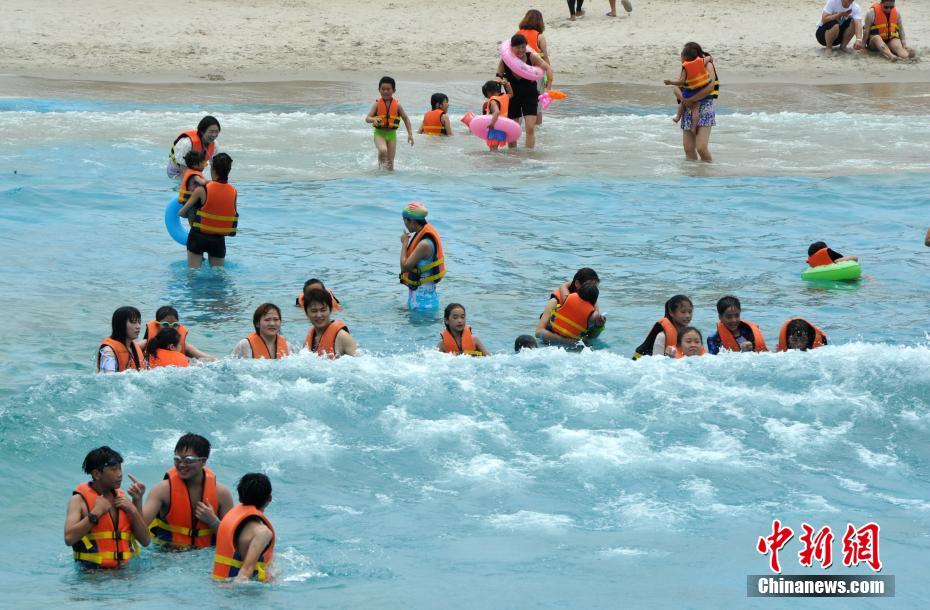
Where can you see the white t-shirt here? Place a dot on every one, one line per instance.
(181, 149)
(836, 6)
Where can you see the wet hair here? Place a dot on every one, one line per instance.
(388, 80)
(533, 20)
(692, 51)
(206, 123)
(814, 247)
(313, 281)
(437, 99)
(118, 324)
(798, 326)
(222, 163)
(260, 312)
(589, 292)
(197, 443)
(254, 489)
(583, 276)
(491, 87)
(100, 458)
(318, 296)
(448, 311)
(726, 303)
(517, 39)
(525, 342)
(675, 302)
(166, 336)
(685, 331)
(164, 311)
(194, 158)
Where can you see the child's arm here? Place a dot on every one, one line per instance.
(507, 88)
(441, 346)
(199, 196)
(420, 130)
(495, 110)
(447, 124)
(406, 120)
(846, 258)
(682, 79)
(371, 118)
(480, 346)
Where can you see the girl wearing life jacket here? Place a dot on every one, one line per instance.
(192, 176)
(558, 296)
(164, 349)
(497, 104)
(697, 67)
(532, 27)
(573, 320)
(327, 337)
(267, 340)
(436, 121)
(818, 255)
(385, 116)
(799, 334)
(314, 283)
(422, 259)
(693, 78)
(664, 334)
(201, 139)
(690, 342)
(245, 539)
(215, 216)
(457, 338)
(119, 352)
(167, 316)
(524, 105)
(733, 333)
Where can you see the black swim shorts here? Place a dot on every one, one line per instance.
(214, 245)
(822, 32)
(521, 107)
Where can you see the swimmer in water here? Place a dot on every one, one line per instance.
(245, 538)
(689, 342)
(819, 255)
(733, 333)
(664, 334)
(436, 121)
(167, 316)
(458, 338)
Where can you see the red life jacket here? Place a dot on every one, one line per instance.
(123, 359)
(327, 344)
(260, 349)
(413, 279)
(696, 75)
(820, 258)
(468, 347)
(227, 561)
(107, 545)
(570, 319)
(729, 341)
(884, 25)
(179, 526)
(167, 357)
(152, 328)
(390, 119)
(432, 123)
(820, 339)
(218, 215)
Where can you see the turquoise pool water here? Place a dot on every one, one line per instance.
(405, 478)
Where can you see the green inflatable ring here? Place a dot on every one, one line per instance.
(844, 271)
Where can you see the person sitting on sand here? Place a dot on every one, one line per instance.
(885, 32)
(627, 6)
(819, 255)
(839, 21)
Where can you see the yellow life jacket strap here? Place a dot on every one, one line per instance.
(216, 230)
(405, 278)
(177, 529)
(210, 216)
(576, 334)
(472, 352)
(260, 567)
(99, 557)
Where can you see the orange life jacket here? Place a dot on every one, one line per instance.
(183, 193)
(570, 319)
(503, 101)
(432, 123)
(413, 279)
(218, 215)
(260, 349)
(696, 75)
(152, 328)
(884, 25)
(662, 326)
(680, 354)
(196, 145)
(123, 359)
(107, 545)
(167, 357)
(729, 341)
(336, 305)
(820, 258)
(327, 344)
(532, 38)
(179, 526)
(227, 561)
(557, 295)
(390, 119)
(450, 346)
(820, 339)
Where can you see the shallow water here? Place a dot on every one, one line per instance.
(408, 479)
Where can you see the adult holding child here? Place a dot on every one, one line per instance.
(696, 140)
(840, 20)
(885, 32)
(525, 101)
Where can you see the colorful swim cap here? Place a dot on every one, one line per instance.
(415, 211)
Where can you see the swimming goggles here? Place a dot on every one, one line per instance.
(188, 460)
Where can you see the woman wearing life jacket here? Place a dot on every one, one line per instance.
(436, 121)
(733, 333)
(215, 216)
(573, 320)
(201, 139)
(885, 32)
(314, 283)
(799, 334)
(819, 255)
(664, 334)
(558, 296)
(524, 105)
(119, 352)
(422, 259)
(696, 136)
(267, 340)
(689, 342)
(103, 525)
(167, 316)
(457, 338)
(164, 349)
(245, 539)
(327, 337)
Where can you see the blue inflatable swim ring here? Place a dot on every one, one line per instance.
(173, 221)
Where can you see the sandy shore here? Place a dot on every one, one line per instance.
(753, 41)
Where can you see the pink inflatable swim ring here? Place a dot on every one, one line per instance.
(479, 127)
(517, 65)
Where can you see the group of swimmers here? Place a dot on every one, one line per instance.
(188, 509)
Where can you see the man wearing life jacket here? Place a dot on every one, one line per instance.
(799, 334)
(839, 21)
(267, 340)
(572, 321)
(184, 509)
(103, 525)
(318, 284)
(885, 31)
(819, 255)
(167, 316)
(436, 121)
(119, 352)
(733, 333)
(215, 216)
(245, 539)
(385, 116)
(201, 139)
(327, 337)
(422, 259)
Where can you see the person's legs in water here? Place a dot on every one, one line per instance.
(530, 131)
(391, 151)
(194, 261)
(382, 146)
(702, 143)
(688, 142)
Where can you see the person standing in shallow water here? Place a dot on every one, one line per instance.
(422, 259)
(696, 142)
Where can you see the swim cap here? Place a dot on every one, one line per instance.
(415, 211)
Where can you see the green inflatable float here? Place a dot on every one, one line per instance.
(846, 271)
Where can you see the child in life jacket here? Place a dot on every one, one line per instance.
(192, 176)
(694, 77)
(436, 121)
(734, 333)
(690, 342)
(457, 338)
(818, 255)
(663, 337)
(167, 316)
(164, 349)
(385, 116)
(575, 320)
(497, 104)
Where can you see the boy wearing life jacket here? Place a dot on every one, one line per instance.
(694, 77)
(436, 121)
(215, 216)
(103, 524)
(327, 337)
(167, 316)
(385, 116)
(315, 284)
(497, 105)
(457, 338)
(733, 333)
(184, 509)
(245, 539)
(574, 320)
(819, 255)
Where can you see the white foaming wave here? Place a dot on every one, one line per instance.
(640, 510)
(530, 521)
(797, 437)
(299, 439)
(873, 459)
(622, 551)
(608, 447)
(488, 469)
(290, 565)
(720, 447)
(455, 428)
(336, 508)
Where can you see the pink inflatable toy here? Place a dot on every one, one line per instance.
(517, 65)
(479, 127)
